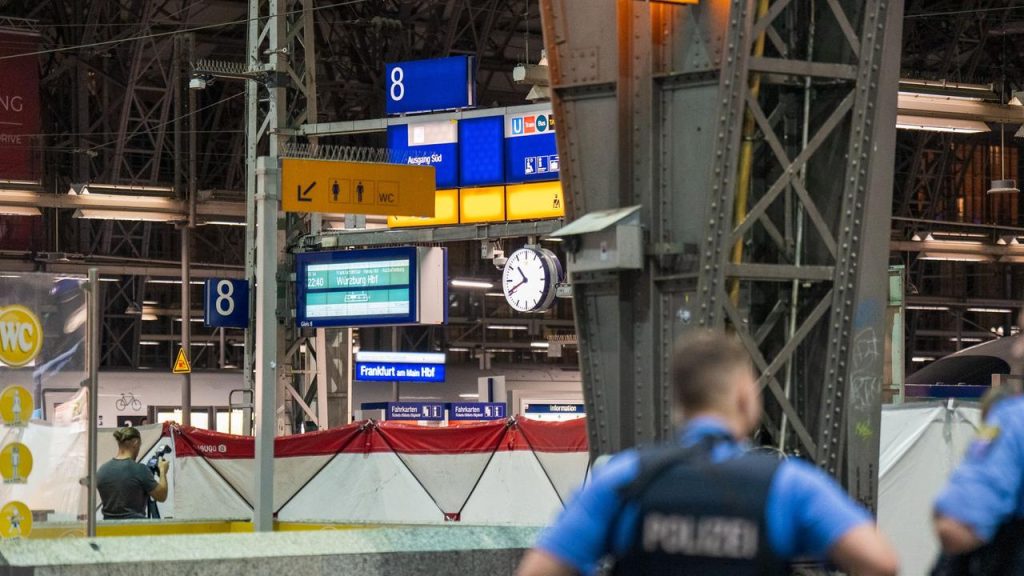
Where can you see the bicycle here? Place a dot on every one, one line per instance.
(127, 399)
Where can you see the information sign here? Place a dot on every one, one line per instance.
(399, 367)
(415, 411)
(426, 85)
(530, 150)
(433, 144)
(356, 188)
(555, 409)
(227, 303)
(477, 411)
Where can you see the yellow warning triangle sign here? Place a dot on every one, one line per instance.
(181, 365)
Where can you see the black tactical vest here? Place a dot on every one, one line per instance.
(700, 517)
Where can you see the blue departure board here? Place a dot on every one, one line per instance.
(356, 287)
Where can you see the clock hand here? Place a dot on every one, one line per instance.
(516, 287)
(520, 270)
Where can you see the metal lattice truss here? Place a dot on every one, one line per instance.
(763, 117)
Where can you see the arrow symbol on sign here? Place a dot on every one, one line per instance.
(303, 195)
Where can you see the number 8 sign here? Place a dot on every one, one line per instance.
(227, 303)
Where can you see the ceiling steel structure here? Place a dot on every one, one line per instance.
(748, 132)
(113, 89)
(941, 177)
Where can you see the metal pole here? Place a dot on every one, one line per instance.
(93, 361)
(267, 205)
(186, 325)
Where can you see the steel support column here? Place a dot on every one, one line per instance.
(651, 101)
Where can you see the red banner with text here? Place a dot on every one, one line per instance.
(20, 143)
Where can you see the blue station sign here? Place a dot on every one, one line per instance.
(400, 367)
(415, 411)
(428, 85)
(477, 411)
(555, 409)
(226, 303)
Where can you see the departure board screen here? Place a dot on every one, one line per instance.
(356, 287)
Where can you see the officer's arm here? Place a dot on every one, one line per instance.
(982, 492)
(863, 551)
(956, 537)
(540, 563)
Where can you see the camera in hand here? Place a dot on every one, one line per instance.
(153, 462)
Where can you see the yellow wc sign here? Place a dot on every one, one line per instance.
(21, 335)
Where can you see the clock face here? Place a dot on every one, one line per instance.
(528, 280)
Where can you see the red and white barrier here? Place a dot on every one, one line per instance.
(515, 472)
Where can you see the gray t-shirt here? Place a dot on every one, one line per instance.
(124, 487)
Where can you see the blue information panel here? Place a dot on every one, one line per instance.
(481, 151)
(555, 409)
(227, 303)
(390, 372)
(415, 411)
(428, 144)
(426, 85)
(400, 366)
(530, 151)
(356, 287)
(477, 411)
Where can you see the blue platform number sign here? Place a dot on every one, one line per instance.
(227, 303)
(428, 85)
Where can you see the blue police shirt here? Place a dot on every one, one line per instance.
(985, 490)
(807, 512)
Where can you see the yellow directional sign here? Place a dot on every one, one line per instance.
(181, 365)
(15, 520)
(15, 406)
(356, 188)
(15, 463)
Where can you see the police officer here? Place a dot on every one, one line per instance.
(979, 515)
(705, 505)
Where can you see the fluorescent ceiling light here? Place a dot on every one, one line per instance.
(19, 183)
(107, 188)
(551, 240)
(543, 345)
(223, 223)
(19, 211)
(925, 307)
(469, 395)
(955, 257)
(148, 343)
(942, 235)
(946, 89)
(922, 359)
(507, 327)
(163, 281)
(991, 310)
(128, 215)
(966, 339)
(458, 349)
(148, 317)
(505, 350)
(479, 284)
(495, 294)
(907, 122)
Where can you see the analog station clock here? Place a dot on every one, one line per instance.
(529, 279)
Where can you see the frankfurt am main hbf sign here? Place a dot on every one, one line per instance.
(399, 367)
